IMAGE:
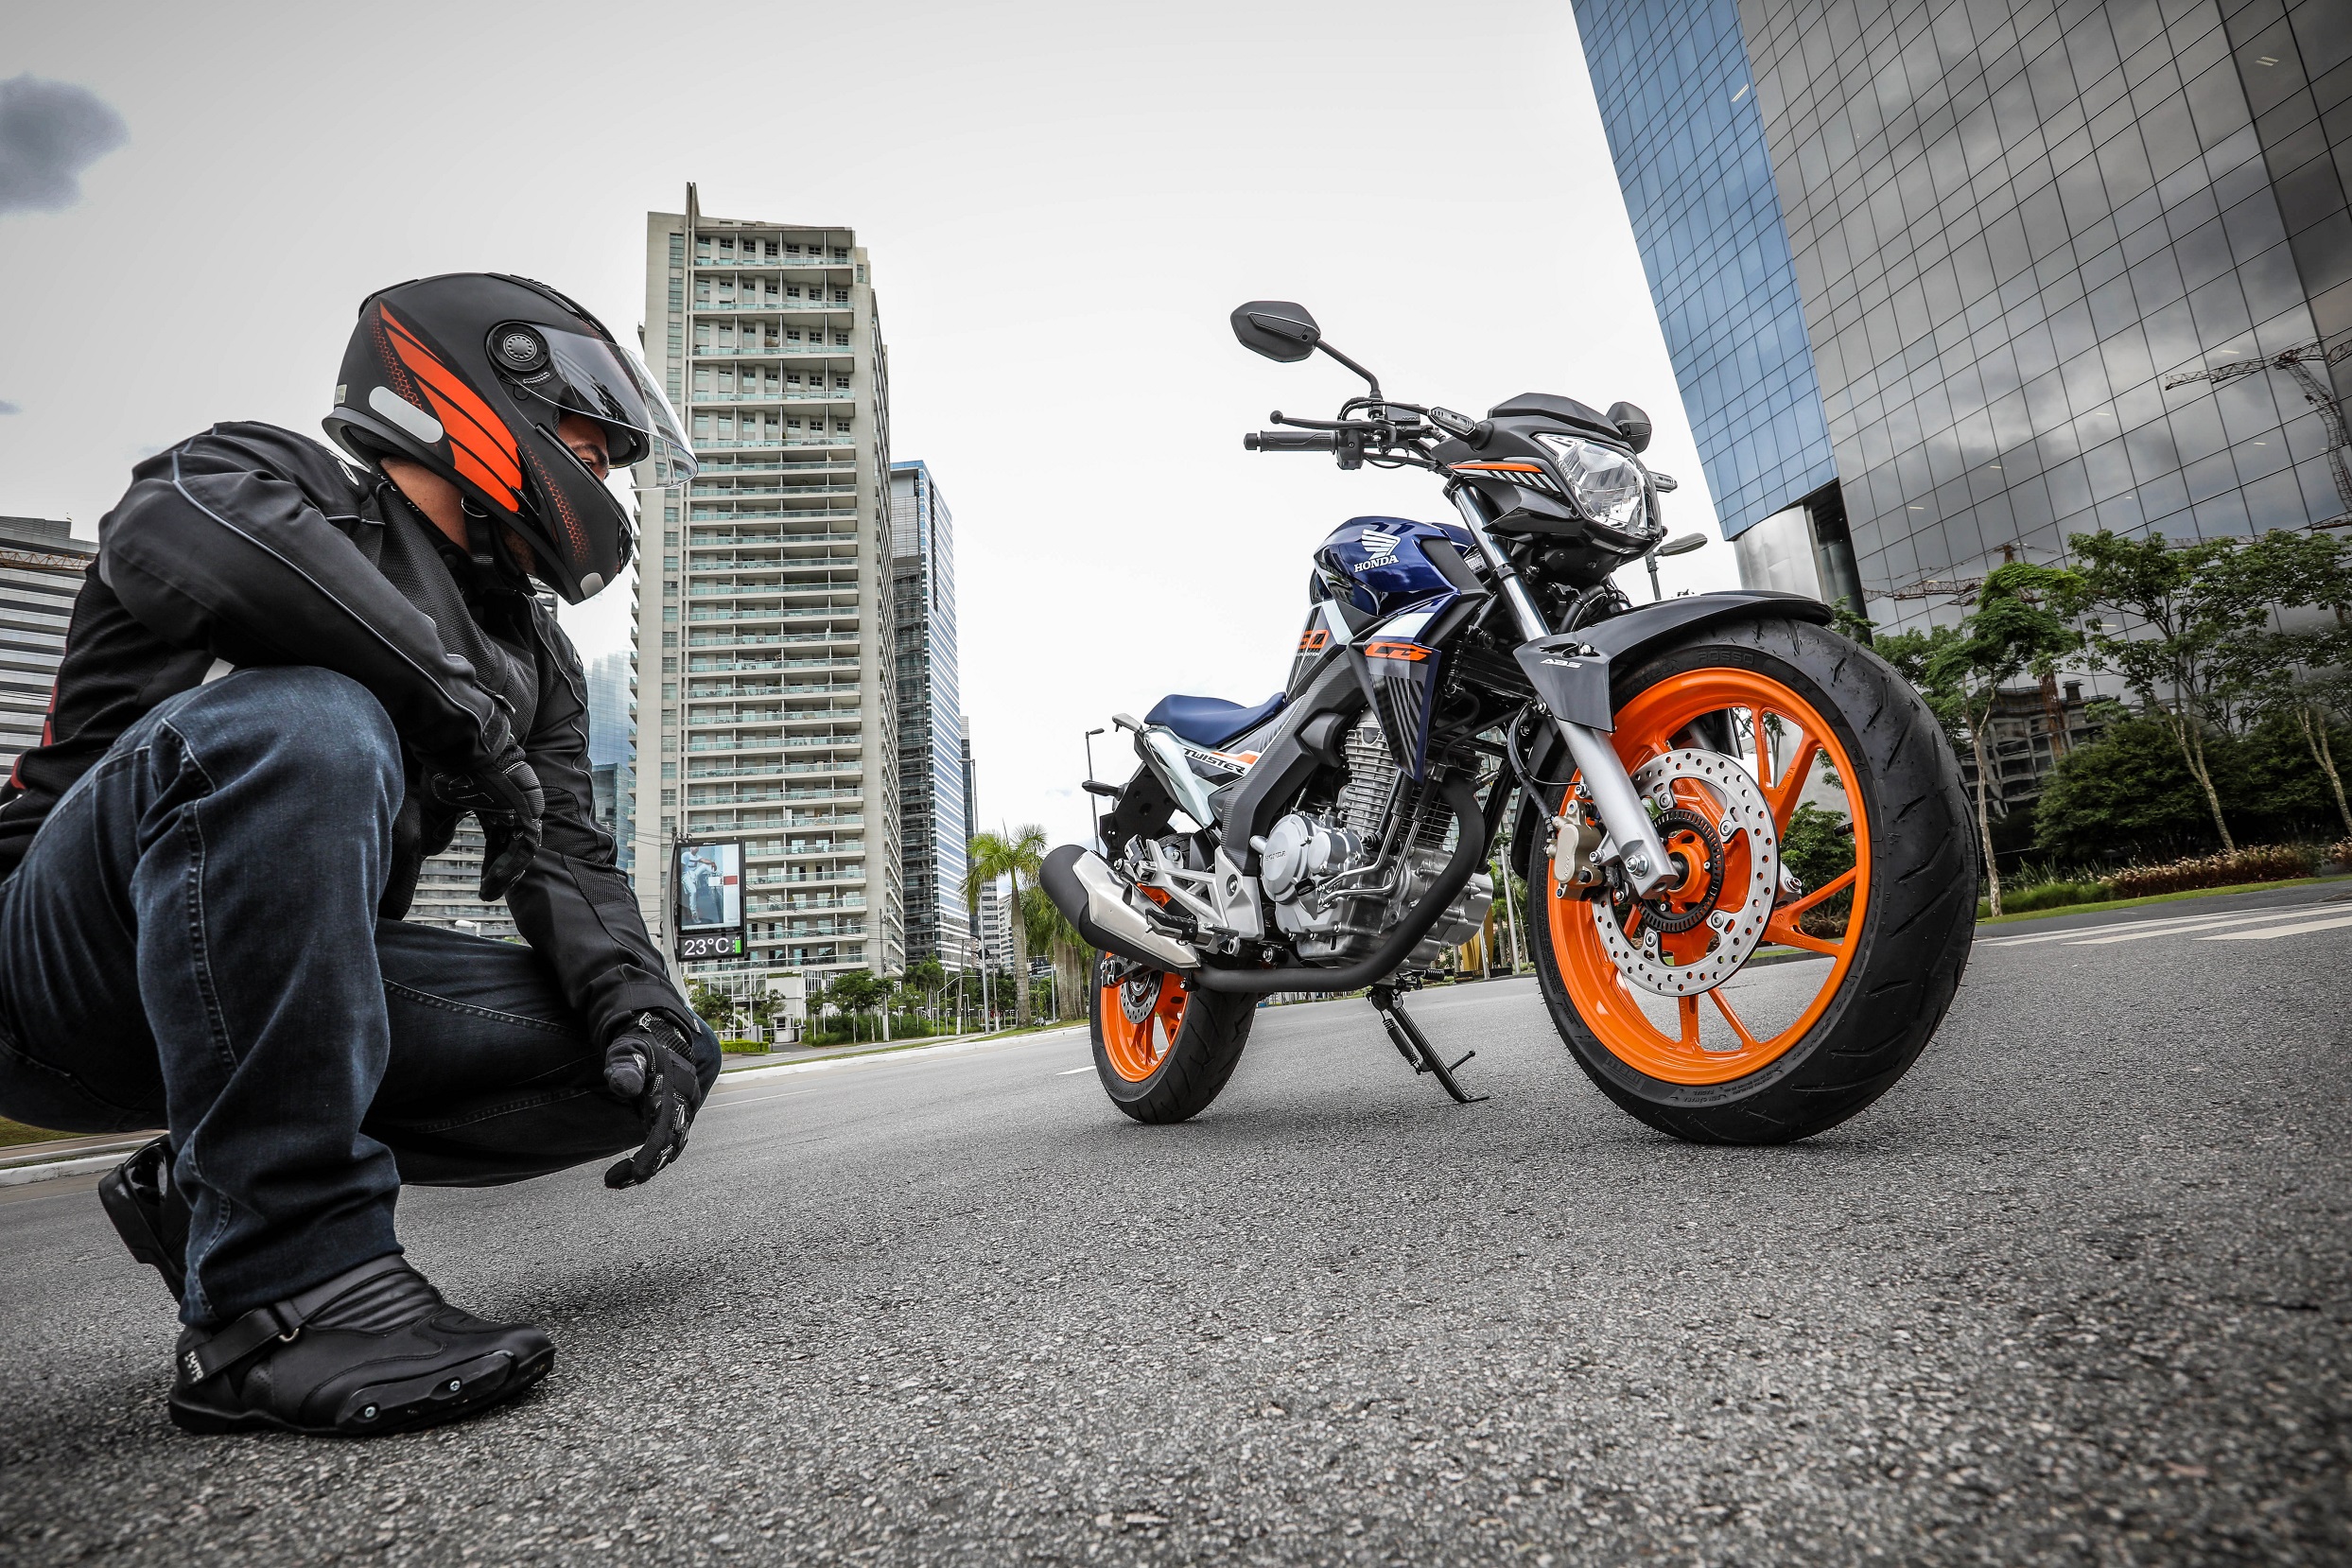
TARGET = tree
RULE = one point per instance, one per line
(2296, 675)
(1073, 959)
(2128, 795)
(1016, 852)
(2013, 633)
(2186, 614)
(927, 976)
(712, 1005)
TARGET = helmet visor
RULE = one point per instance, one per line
(609, 384)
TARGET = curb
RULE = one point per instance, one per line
(949, 1048)
(20, 1175)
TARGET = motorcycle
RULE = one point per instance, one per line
(1657, 766)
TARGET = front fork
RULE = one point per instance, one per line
(1558, 671)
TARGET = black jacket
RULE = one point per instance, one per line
(251, 545)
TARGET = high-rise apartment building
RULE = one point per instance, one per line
(766, 707)
(2057, 267)
(613, 745)
(933, 819)
(42, 566)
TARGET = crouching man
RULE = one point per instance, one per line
(287, 679)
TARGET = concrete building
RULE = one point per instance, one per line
(1939, 279)
(933, 820)
(996, 929)
(765, 589)
(42, 566)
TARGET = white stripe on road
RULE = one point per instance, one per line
(2331, 923)
(2213, 923)
(880, 1058)
(2076, 934)
(1070, 1071)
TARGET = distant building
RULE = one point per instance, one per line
(2030, 730)
(1941, 281)
(42, 566)
(971, 789)
(933, 819)
(445, 890)
(996, 930)
(613, 747)
(764, 587)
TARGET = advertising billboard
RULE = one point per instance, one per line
(707, 900)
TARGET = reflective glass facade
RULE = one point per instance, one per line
(1678, 103)
(2063, 267)
(934, 808)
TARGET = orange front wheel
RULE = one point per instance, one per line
(1814, 813)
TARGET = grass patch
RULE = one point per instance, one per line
(14, 1133)
(2009, 916)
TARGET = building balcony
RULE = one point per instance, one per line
(769, 264)
(831, 612)
(701, 397)
(772, 308)
(845, 634)
(763, 443)
(775, 351)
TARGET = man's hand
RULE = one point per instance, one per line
(647, 1064)
(505, 797)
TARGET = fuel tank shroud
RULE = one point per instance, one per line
(1381, 566)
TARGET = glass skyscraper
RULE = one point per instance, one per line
(933, 816)
(2062, 267)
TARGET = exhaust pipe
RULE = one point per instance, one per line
(1090, 893)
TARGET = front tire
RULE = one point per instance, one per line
(1816, 699)
(1163, 1050)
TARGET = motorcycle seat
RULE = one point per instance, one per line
(1211, 721)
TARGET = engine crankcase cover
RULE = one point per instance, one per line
(1721, 790)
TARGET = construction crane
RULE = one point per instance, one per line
(2298, 363)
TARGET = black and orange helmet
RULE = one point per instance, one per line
(470, 373)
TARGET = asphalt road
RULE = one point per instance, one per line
(2074, 1291)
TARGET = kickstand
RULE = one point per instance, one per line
(1414, 1046)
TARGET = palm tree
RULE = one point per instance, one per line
(1072, 957)
(1014, 852)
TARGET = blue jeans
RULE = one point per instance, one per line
(192, 941)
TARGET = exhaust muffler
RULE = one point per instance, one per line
(1090, 893)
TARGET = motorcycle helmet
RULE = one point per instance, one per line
(470, 373)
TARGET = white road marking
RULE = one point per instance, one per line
(2215, 923)
(1069, 1072)
(2076, 934)
(2331, 923)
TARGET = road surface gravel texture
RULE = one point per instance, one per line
(2075, 1291)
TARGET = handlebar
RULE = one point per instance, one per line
(1291, 440)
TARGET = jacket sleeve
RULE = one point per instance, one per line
(211, 549)
(574, 906)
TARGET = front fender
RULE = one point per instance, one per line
(1627, 640)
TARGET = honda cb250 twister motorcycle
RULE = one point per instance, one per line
(1455, 678)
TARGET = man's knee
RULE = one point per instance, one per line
(323, 728)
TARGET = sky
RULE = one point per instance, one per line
(1062, 203)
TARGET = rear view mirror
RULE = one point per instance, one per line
(1277, 329)
(1683, 544)
(1634, 422)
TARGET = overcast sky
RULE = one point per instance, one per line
(1062, 203)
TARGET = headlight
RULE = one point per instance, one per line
(1606, 486)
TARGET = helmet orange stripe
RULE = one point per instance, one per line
(439, 377)
(467, 437)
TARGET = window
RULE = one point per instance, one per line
(840, 296)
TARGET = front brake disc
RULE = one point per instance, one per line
(1727, 794)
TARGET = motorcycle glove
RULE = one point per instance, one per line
(647, 1065)
(505, 797)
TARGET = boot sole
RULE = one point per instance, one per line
(409, 1405)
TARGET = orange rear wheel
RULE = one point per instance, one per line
(1141, 1018)
(1786, 739)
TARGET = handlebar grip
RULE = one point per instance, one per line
(1291, 440)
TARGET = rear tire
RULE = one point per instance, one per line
(1169, 1064)
(1914, 897)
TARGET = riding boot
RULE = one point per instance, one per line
(148, 1212)
(374, 1349)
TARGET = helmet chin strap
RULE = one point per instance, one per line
(486, 543)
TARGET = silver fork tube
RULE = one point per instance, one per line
(1619, 804)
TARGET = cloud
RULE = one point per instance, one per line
(49, 133)
(8, 408)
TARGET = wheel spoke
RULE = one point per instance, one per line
(1689, 1008)
(1733, 1019)
(1827, 890)
(1781, 796)
(1763, 748)
(1784, 930)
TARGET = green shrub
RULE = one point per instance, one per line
(743, 1048)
